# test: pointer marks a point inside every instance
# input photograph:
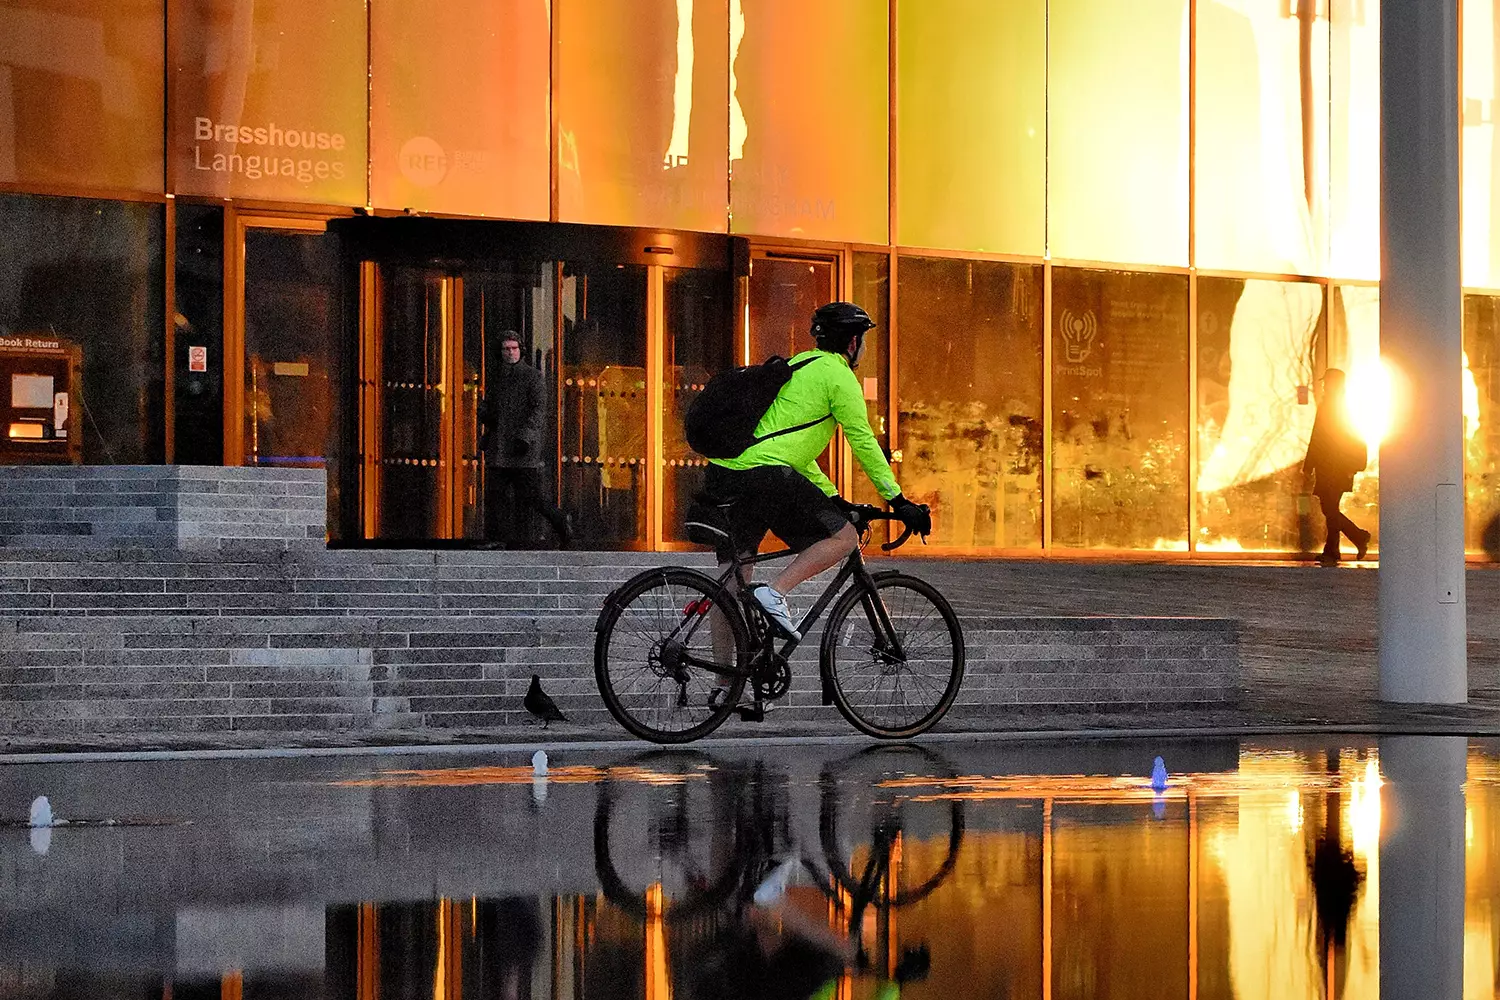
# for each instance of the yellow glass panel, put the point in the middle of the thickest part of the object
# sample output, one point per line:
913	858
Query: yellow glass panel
1262	152
1481	167
642	119
809	119
459	116
81	93
970	392
1117	163
270	99
1481	388
1119	410
1354	347
1257	347
1354	144
972	105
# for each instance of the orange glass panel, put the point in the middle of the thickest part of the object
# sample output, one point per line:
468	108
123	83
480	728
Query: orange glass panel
808	118
81	93
459	116
1354	143
642	120
972	146
1117	162
1119	410
270	99
1262	153
1257	347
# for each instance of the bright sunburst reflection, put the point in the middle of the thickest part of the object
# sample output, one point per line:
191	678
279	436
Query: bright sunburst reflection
1369	394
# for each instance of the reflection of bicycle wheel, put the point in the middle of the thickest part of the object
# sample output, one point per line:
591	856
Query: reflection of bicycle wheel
867	806
663	829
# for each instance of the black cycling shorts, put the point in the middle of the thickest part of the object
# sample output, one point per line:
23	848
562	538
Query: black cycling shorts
775	498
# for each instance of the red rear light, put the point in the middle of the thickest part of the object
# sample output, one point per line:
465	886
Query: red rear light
698	607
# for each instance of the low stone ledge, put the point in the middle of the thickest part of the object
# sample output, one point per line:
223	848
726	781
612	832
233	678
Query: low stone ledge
152	507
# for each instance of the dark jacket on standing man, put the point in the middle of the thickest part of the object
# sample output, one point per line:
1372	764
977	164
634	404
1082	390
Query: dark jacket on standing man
511	415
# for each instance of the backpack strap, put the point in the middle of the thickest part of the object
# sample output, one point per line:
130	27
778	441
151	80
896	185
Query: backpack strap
797	427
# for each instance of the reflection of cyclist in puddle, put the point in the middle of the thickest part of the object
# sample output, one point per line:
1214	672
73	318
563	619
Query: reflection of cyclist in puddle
750	914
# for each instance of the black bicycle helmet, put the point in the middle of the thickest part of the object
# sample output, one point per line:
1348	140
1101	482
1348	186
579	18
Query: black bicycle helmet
837	323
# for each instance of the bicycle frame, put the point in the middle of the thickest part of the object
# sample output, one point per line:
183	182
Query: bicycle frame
853	568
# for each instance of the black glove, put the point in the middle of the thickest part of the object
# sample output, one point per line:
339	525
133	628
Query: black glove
517	448
845	506
914	516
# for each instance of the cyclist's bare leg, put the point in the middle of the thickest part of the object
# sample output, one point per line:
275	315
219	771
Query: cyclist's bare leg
816	558
723	638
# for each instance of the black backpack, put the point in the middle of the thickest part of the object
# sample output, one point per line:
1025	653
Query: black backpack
720	423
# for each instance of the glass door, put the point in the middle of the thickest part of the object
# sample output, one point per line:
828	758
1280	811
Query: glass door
785	288
408	405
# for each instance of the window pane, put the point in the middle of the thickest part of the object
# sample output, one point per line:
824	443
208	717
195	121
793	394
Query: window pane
1262	153
1119	410
198	414
1354	347
970	396
502	299
872	290
295	382
81	93
88	274
1354	146
808	119
641	111
1481	178
270	99
1117	162
1257	348
700	345
604	403
1482	421
458	115
973	138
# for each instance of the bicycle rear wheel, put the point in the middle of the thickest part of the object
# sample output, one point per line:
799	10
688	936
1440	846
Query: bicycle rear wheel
668	639
897	682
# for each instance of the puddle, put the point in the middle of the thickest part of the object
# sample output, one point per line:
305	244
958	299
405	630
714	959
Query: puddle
1247	870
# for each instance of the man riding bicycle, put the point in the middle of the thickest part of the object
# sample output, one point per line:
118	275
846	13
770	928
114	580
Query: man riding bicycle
776	484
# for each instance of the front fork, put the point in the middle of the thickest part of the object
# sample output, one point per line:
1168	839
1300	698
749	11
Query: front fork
880	625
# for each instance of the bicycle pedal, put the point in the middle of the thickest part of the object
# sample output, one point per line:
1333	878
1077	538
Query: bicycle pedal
751	713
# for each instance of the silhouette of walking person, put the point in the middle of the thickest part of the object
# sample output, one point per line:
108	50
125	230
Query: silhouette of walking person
512	418
1334	454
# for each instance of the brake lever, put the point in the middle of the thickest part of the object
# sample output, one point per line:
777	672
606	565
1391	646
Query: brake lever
891	546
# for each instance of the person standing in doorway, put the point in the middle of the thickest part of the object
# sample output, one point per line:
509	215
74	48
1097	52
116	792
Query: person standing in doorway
1334	454
511	418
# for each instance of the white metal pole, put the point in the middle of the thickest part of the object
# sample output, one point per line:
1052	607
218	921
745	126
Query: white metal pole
1422	628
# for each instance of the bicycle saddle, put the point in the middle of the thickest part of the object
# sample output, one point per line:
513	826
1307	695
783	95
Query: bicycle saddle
707	520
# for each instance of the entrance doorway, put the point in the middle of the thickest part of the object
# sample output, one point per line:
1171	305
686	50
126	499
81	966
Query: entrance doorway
623	328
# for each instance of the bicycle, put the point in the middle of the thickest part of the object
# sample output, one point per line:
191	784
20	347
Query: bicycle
675	647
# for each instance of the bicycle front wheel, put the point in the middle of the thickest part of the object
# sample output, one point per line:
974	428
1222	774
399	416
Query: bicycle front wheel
895	656
670	657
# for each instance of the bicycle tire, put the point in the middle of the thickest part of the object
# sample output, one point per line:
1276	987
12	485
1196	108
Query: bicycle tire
846	633
652	599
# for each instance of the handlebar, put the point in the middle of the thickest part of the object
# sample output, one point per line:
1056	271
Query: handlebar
862	514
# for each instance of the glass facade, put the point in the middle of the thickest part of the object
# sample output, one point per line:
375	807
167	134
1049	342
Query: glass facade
1110	249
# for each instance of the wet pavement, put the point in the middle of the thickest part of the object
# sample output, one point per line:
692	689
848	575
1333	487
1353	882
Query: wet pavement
1353	866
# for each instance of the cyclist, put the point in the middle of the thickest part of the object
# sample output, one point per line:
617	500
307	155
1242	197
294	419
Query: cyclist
776	483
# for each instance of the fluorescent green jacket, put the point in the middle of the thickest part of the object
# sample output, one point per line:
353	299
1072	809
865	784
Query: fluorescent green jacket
823	387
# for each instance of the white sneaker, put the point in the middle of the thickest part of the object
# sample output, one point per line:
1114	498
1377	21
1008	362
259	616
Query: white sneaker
774	605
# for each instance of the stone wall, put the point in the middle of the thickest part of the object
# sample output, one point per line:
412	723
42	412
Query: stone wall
325	640
161	506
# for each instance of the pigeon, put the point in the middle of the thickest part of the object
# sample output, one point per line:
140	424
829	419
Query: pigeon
540	705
